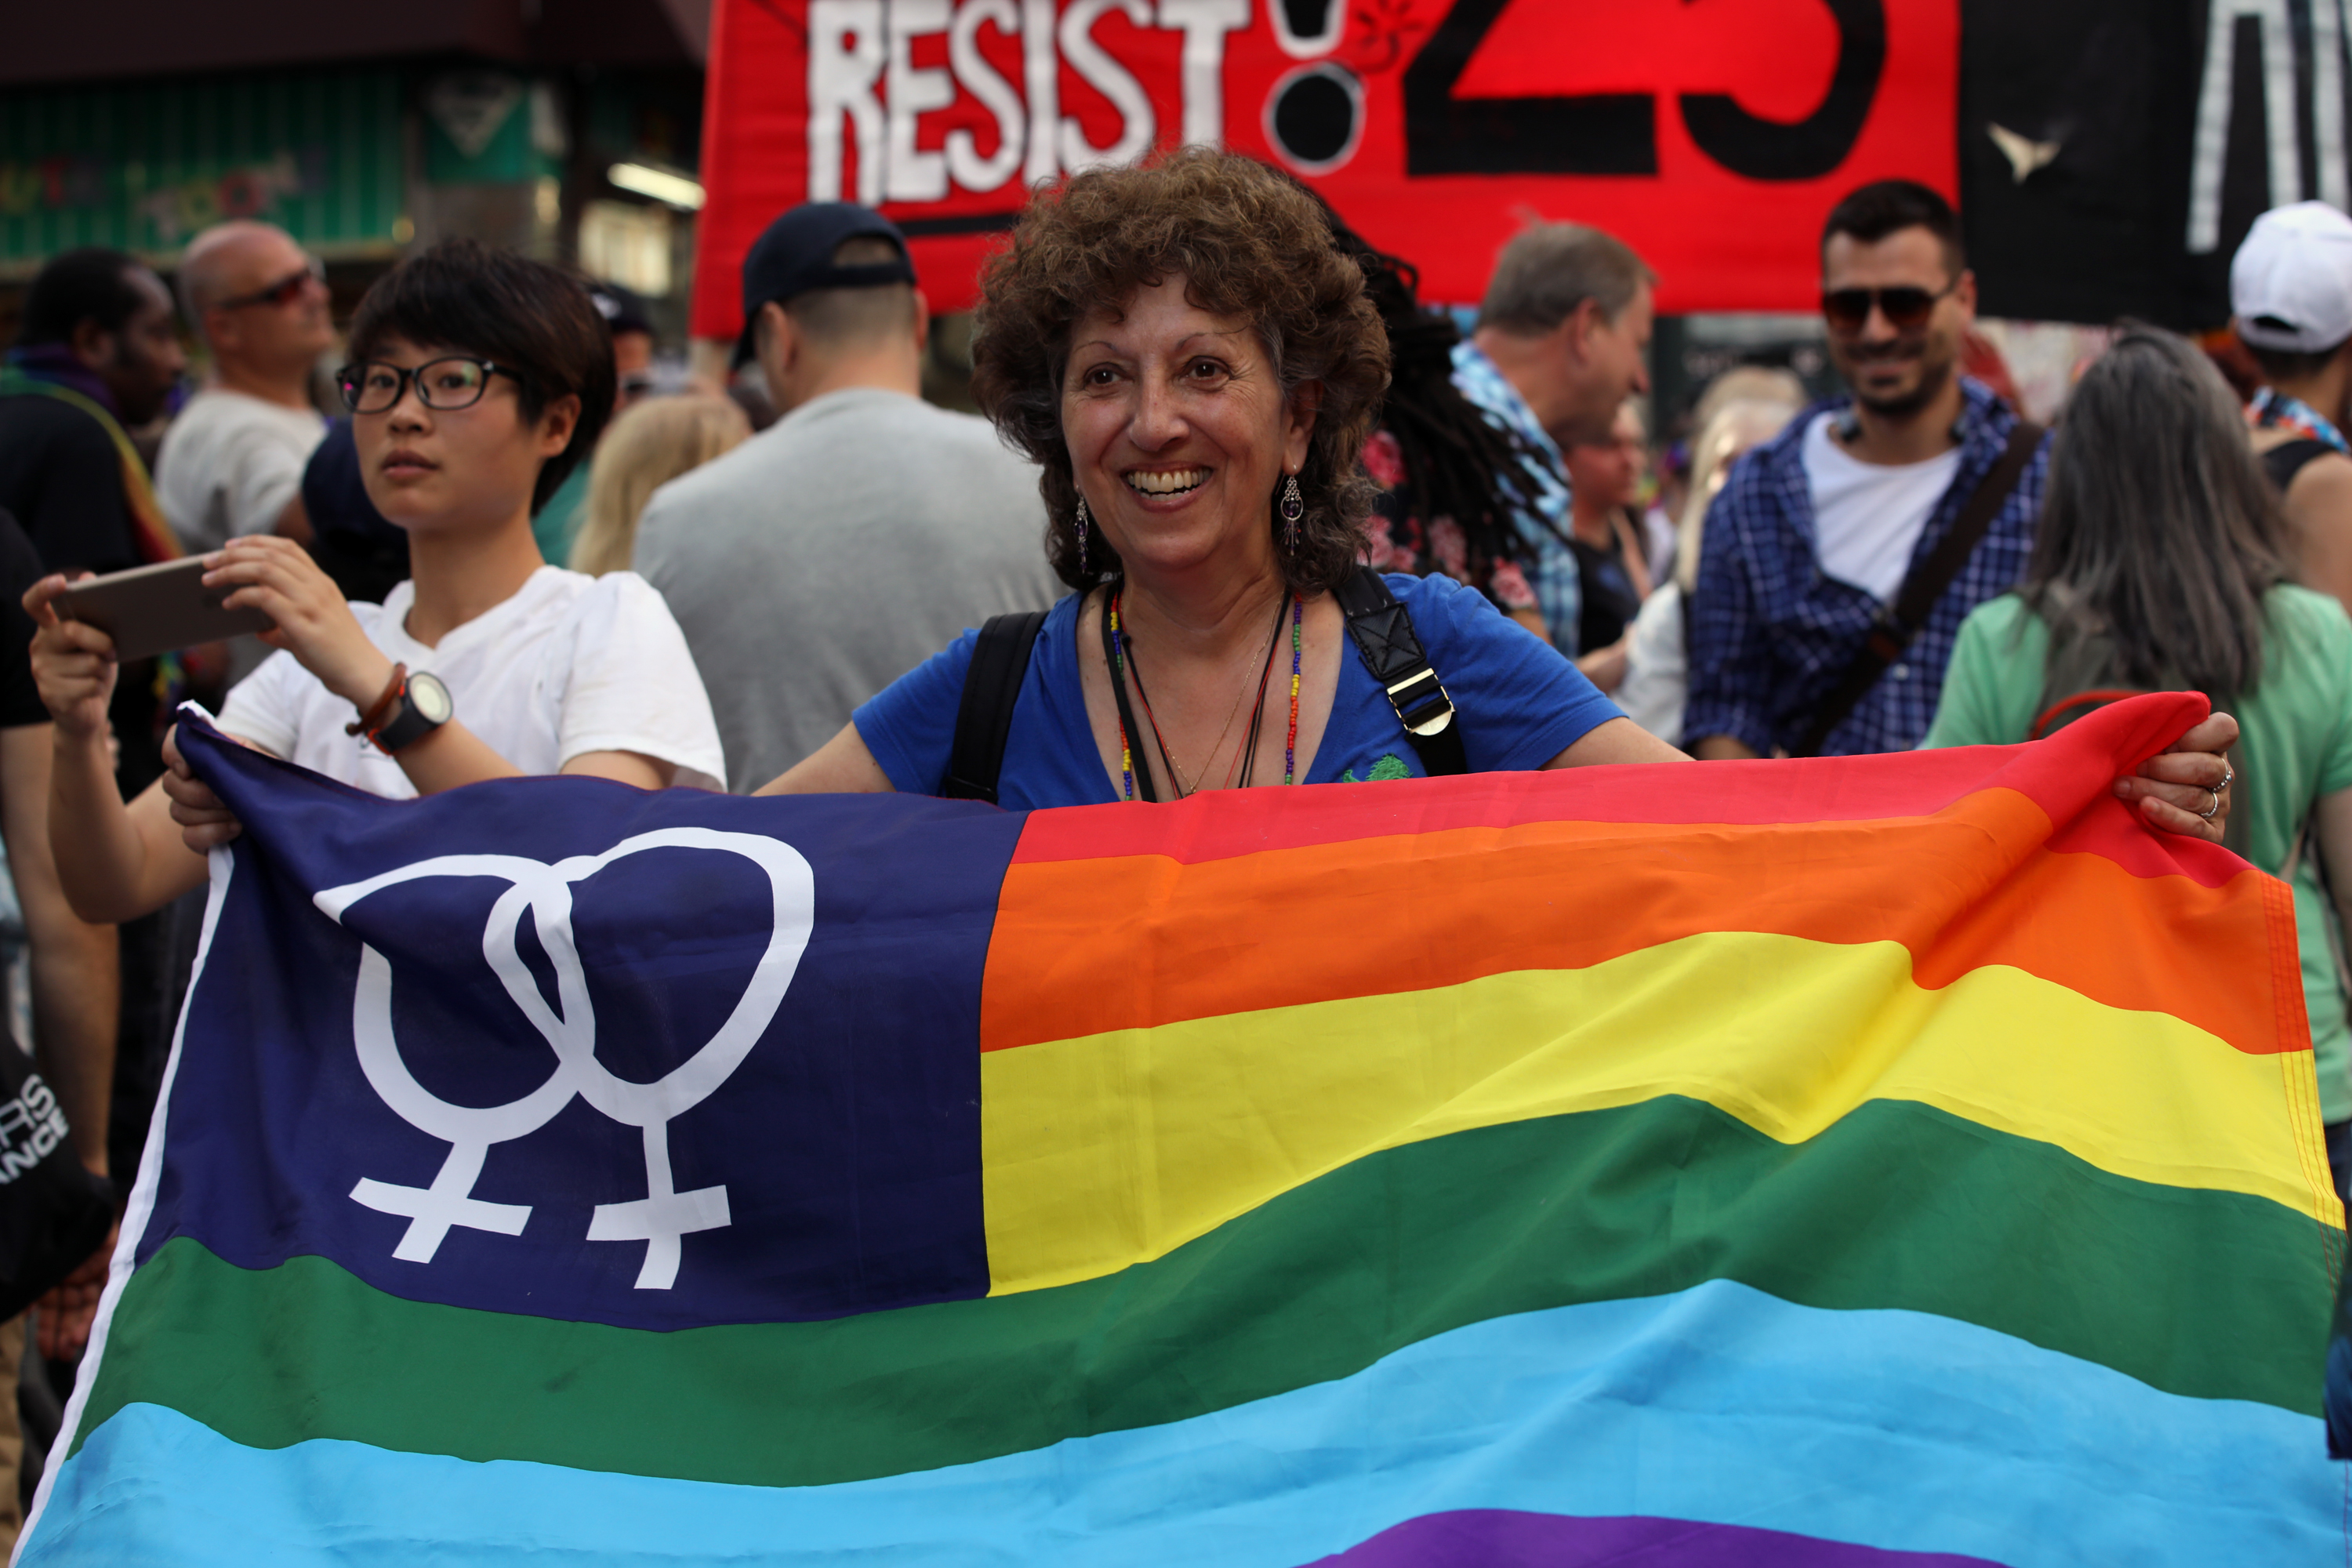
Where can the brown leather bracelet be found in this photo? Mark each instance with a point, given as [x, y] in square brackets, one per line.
[369, 722]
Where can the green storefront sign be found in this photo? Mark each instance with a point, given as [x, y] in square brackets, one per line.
[143, 167]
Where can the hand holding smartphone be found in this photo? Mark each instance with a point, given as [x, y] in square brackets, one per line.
[155, 610]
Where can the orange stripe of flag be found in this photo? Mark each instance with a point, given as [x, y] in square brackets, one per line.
[1085, 946]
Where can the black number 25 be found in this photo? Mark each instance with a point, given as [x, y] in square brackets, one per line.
[1616, 133]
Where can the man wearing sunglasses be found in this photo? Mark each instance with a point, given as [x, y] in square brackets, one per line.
[1841, 557]
[231, 462]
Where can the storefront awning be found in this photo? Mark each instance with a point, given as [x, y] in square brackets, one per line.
[170, 37]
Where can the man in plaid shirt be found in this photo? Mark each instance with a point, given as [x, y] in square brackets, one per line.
[1811, 540]
[1562, 341]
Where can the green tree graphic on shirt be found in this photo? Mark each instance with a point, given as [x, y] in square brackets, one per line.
[1387, 767]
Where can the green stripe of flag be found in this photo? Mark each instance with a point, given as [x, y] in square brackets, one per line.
[1898, 1206]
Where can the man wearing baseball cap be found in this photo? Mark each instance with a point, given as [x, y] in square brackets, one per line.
[860, 534]
[2290, 292]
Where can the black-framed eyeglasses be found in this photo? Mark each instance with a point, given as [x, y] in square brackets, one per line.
[453, 381]
[1906, 306]
[285, 291]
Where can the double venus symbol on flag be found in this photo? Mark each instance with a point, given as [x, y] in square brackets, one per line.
[664, 1216]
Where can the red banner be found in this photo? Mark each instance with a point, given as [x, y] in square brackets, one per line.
[1713, 135]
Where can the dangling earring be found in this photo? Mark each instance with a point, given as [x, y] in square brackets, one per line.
[1082, 536]
[1294, 507]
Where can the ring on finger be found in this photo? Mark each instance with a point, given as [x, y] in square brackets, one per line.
[2209, 812]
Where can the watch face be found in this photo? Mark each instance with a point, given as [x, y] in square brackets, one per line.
[430, 698]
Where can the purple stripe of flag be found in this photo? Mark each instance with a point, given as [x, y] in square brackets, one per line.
[1500, 1538]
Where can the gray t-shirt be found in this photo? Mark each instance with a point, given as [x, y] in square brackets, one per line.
[830, 554]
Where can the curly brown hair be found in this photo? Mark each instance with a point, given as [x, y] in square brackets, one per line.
[1247, 243]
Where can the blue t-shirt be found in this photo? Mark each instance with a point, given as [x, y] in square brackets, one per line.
[1519, 702]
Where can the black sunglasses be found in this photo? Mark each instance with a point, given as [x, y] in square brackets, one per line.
[456, 381]
[285, 291]
[1905, 308]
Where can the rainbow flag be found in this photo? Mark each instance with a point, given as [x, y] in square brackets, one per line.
[1895, 1160]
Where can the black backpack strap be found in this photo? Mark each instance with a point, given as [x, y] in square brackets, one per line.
[1922, 587]
[992, 684]
[1382, 632]
[2286, 460]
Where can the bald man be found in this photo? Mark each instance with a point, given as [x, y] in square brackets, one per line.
[231, 462]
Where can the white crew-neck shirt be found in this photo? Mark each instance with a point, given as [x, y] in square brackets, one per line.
[1867, 517]
[572, 664]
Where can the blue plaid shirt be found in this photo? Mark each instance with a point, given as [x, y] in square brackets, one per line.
[1771, 632]
[1545, 557]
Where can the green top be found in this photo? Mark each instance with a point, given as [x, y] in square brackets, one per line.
[2294, 745]
[558, 522]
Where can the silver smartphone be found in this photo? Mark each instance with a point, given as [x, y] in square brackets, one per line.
[153, 609]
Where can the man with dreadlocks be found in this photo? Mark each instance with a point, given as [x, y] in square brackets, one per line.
[1473, 429]
[1562, 341]
[1454, 484]
[1469, 449]
[1472, 485]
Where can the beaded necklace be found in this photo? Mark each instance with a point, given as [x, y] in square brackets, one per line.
[1115, 641]
[1290, 746]
[1118, 682]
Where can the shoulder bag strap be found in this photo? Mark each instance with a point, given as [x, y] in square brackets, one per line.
[1921, 586]
[1382, 632]
[991, 685]
[2066, 709]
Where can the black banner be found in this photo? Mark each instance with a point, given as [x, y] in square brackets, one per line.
[2113, 152]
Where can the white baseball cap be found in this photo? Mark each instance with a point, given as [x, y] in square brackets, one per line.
[2291, 282]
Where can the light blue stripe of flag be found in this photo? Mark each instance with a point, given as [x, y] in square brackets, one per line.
[1886, 1428]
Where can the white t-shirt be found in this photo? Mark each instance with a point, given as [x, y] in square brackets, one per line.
[572, 664]
[229, 464]
[1867, 517]
[1656, 685]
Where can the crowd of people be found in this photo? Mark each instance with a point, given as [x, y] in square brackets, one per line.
[1243, 510]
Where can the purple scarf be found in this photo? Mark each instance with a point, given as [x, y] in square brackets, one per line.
[56, 363]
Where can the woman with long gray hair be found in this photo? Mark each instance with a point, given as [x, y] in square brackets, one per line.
[2162, 562]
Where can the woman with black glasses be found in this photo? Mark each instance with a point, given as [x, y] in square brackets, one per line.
[478, 381]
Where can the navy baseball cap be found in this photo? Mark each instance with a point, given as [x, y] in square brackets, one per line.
[796, 256]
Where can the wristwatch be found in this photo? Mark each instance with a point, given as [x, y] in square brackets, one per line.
[411, 706]
[423, 707]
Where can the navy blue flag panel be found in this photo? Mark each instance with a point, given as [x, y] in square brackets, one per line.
[564, 1048]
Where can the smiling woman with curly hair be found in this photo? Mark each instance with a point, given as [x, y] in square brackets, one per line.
[1244, 247]
[1195, 368]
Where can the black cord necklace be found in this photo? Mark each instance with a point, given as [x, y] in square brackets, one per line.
[1153, 718]
[1138, 780]
[1257, 713]
[1118, 655]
